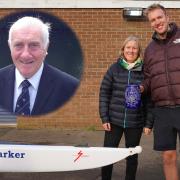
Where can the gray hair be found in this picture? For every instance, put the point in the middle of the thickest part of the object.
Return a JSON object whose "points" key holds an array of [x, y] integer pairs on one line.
{"points": [[28, 21], [131, 38]]}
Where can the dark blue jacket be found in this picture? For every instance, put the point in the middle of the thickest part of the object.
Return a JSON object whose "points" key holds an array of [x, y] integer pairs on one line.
{"points": [[55, 88]]}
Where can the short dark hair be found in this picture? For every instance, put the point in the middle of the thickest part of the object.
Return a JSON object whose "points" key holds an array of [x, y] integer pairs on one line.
{"points": [[153, 7]]}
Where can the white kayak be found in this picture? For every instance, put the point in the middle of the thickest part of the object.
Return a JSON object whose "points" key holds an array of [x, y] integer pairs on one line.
{"points": [[43, 158]]}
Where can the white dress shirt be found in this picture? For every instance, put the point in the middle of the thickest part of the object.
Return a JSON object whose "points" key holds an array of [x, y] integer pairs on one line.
{"points": [[34, 80]]}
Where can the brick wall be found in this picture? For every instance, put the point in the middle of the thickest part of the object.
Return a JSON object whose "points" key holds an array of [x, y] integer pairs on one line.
{"points": [[101, 33]]}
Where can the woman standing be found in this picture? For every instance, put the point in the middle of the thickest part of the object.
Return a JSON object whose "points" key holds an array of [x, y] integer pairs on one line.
{"points": [[116, 114]]}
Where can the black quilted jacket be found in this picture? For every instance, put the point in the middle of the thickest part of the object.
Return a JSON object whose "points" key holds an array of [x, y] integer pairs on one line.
{"points": [[112, 98]]}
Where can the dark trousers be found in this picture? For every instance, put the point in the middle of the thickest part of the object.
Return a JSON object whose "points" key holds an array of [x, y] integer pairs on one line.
{"points": [[132, 139]]}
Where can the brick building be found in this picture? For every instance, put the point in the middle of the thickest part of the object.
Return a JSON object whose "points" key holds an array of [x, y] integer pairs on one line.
{"points": [[101, 29]]}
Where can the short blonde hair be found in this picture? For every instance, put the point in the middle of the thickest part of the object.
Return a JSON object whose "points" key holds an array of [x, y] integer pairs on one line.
{"points": [[154, 6], [131, 38]]}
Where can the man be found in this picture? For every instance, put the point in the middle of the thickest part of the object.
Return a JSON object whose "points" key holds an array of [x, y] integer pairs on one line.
{"points": [[30, 86], [162, 72]]}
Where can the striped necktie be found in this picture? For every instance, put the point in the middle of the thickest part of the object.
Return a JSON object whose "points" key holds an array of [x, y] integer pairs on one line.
{"points": [[23, 101]]}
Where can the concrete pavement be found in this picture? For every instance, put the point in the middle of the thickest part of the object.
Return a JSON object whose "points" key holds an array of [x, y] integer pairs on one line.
{"points": [[150, 165]]}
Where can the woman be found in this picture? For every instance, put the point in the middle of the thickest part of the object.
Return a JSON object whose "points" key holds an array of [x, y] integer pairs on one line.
{"points": [[117, 118]]}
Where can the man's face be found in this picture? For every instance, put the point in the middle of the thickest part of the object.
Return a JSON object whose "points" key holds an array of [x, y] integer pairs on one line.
{"points": [[27, 50], [159, 22]]}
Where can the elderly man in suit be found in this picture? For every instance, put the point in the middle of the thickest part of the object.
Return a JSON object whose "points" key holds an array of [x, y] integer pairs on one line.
{"points": [[30, 86]]}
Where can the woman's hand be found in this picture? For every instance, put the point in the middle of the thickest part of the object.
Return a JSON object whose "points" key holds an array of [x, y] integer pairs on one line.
{"points": [[147, 131], [107, 126]]}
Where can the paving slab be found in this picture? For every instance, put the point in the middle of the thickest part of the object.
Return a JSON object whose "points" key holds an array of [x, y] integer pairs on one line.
{"points": [[150, 164]]}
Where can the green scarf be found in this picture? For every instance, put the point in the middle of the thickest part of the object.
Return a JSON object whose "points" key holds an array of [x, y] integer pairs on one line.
{"points": [[129, 66]]}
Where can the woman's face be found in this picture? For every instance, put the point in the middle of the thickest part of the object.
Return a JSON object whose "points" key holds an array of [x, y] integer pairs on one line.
{"points": [[131, 51]]}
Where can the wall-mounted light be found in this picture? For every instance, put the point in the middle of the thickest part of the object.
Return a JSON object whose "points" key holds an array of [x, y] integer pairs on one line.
{"points": [[133, 13]]}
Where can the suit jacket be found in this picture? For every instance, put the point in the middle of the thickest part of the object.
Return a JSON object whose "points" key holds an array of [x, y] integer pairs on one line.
{"points": [[55, 88]]}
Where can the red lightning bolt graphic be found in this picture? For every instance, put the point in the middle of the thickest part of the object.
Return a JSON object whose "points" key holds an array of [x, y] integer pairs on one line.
{"points": [[80, 153]]}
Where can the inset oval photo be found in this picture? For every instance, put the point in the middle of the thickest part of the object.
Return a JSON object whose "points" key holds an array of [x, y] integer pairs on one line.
{"points": [[41, 63]]}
